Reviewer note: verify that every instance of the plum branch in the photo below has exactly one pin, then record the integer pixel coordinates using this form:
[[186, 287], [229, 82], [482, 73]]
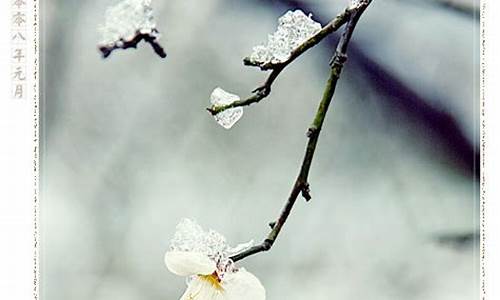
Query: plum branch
[[301, 185], [264, 90], [127, 24], [106, 50]]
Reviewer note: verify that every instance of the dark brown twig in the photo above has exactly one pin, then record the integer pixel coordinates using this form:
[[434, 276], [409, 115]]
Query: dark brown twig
[[301, 185], [150, 38]]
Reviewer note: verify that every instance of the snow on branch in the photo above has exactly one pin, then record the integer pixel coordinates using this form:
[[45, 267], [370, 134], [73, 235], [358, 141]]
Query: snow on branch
[[296, 34], [128, 23], [294, 28]]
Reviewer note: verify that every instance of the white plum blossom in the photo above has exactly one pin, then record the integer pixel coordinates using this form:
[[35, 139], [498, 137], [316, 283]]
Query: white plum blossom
[[228, 117], [294, 28], [204, 257], [127, 19]]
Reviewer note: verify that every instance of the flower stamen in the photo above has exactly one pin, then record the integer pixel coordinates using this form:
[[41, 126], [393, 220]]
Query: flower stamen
[[213, 279]]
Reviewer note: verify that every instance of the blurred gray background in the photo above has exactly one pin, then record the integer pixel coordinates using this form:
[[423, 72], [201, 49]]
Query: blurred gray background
[[128, 150]]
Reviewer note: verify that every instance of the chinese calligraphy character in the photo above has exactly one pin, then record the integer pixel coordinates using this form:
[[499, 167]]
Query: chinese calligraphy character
[[19, 74], [18, 91], [19, 18], [18, 55], [18, 36], [18, 3]]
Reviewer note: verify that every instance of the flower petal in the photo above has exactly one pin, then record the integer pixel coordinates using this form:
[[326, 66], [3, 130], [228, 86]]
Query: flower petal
[[189, 263], [199, 288], [243, 285]]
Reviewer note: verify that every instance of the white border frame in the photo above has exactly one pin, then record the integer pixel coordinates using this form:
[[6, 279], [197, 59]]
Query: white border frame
[[19, 153], [19, 136], [490, 150]]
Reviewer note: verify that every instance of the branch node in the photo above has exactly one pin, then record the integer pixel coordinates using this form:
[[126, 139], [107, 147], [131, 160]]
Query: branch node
[[272, 224], [262, 90], [267, 244], [248, 62], [211, 111], [311, 131], [306, 192], [266, 66], [338, 59]]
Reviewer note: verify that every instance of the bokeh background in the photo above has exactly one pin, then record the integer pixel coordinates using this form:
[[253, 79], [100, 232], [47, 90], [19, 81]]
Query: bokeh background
[[128, 150]]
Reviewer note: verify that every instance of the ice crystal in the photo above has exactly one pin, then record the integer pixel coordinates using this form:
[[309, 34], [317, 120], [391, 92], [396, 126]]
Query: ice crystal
[[294, 28], [355, 3], [230, 116], [127, 19], [191, 237]]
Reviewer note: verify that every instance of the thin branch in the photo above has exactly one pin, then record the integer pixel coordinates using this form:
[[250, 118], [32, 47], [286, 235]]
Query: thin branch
[[264, 90], [301, 185], [152, 39]]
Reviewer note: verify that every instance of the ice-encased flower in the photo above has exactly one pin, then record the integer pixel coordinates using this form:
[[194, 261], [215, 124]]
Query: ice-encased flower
[[294, 28], [204, 257], [228, 117], [125, 20]]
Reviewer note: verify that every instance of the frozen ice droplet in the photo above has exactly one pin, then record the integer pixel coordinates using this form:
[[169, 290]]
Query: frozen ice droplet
[[294, 28], [126, 19], [230, 116]]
